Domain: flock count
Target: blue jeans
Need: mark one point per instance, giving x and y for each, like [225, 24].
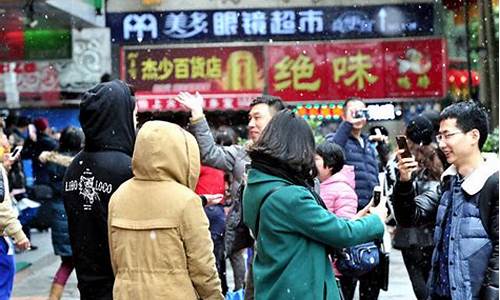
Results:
[7, 270]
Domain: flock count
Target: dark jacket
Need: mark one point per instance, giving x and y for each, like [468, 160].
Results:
[59, 220]
[232, 159]
[33, 150]
[364, 160]
[106, 116]
[407, 236]
[17, 178]
[473, 254]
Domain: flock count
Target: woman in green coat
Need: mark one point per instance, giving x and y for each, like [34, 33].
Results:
[294, 229]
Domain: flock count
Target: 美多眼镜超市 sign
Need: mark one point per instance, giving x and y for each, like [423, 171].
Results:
[277, 24]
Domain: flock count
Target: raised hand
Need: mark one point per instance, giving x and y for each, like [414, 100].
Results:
[192, 102]
[350, 116]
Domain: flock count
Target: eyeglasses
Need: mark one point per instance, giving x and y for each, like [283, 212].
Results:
[446, 136]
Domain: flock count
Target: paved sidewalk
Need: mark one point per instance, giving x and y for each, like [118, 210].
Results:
[34, 282]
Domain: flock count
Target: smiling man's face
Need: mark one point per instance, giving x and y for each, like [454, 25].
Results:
[259, 116]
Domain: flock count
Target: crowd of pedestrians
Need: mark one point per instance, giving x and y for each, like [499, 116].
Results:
[153, 210]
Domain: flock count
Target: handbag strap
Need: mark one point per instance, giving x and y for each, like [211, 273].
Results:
[274, 189]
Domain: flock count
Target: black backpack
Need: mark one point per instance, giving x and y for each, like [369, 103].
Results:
[242, 237]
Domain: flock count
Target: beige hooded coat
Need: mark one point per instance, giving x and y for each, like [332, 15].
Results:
[9, 224]
[158, 232]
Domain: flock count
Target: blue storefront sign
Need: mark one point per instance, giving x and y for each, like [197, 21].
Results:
[280, 24]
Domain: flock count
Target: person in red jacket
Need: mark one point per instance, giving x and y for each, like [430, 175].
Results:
[211, 187]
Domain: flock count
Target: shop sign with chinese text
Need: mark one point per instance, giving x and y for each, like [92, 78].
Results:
[279, 24]
[205, 69]
[370, 70]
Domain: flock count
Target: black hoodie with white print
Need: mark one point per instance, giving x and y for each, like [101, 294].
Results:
[107, 119]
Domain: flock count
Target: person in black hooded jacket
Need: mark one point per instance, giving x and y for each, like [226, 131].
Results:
[107, 114]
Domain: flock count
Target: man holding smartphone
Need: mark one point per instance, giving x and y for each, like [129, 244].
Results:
[465, 256]
[361, 154]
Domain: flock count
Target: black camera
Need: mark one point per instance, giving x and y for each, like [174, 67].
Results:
[362, 113]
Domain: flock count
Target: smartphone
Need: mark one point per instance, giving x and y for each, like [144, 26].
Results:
[15, 152]
[362, 113]
[377, 194]
[403, 145]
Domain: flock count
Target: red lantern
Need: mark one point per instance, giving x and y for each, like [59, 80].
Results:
[475, 78]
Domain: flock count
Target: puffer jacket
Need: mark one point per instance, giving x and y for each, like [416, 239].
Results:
[158, 233]
[338, 193]
[339, 196]
[59, 220]
[364, 159]
[473, 249]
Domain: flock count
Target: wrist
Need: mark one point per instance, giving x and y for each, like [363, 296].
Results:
[404, 178]
[197, 114]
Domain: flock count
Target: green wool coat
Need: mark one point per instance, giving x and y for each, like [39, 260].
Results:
[291, 261]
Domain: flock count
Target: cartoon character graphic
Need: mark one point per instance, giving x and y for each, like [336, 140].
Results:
[414, 61]
[87, 190]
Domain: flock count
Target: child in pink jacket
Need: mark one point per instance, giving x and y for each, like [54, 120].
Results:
[337, 181]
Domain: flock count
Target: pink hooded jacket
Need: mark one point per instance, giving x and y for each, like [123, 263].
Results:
[338, 193]
[339, 196]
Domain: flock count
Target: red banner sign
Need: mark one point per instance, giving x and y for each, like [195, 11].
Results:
[212, 101]
[372, 70]
[416, 68]
[214, 69]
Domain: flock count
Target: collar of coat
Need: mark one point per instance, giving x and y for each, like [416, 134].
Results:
[473, 183]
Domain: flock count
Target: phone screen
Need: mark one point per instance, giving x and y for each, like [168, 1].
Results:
[403, 145]
[377, 193]
[16, 151]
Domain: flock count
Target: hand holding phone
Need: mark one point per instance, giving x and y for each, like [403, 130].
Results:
[14, 155]
[403, 145]
[377, 194]
[379, 207]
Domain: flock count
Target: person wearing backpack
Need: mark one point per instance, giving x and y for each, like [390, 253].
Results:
[465, 256]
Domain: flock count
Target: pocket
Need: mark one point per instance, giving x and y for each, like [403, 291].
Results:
[470, 247]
